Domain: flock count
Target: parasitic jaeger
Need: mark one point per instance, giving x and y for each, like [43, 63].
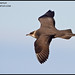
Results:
[45, 34]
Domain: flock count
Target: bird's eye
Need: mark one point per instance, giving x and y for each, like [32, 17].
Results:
[31, 32]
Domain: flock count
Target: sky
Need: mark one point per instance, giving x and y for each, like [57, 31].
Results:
[17, 54]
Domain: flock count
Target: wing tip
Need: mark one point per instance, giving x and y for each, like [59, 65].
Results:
[49, 13]
[41, 58]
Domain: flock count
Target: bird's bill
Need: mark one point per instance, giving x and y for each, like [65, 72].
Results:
[27, 34]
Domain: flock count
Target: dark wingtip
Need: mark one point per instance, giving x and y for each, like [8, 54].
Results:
[42, 58]
[49, 13]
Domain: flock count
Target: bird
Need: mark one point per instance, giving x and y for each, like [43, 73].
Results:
[45, 34]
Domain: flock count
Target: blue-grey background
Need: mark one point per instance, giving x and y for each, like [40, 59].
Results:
[17, 55]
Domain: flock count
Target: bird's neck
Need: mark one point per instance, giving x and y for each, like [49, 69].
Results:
[34, 35]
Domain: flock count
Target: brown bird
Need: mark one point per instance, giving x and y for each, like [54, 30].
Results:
[45, 34]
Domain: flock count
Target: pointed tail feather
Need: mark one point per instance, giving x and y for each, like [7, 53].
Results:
[73, 34]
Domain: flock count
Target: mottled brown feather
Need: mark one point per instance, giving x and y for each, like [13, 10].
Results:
[42, 47]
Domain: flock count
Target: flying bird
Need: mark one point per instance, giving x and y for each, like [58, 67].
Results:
[45, 34]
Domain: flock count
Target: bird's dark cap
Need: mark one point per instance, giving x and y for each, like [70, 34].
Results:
[49, 13]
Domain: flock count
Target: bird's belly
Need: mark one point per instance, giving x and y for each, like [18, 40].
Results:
[47, 31]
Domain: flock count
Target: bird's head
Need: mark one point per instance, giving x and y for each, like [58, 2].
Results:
[31, 34]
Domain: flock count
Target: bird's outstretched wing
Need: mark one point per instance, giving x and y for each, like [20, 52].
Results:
[42, 47]
[47, 19]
